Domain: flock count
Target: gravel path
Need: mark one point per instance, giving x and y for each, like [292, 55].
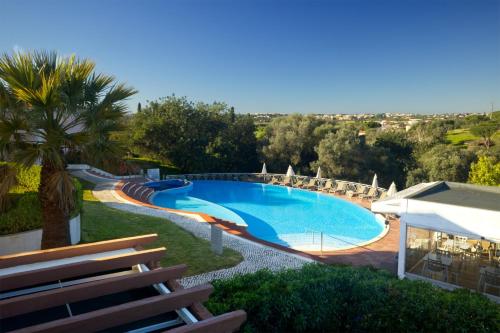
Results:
[255, 256]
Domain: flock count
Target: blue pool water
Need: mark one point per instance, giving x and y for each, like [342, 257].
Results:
[282, 215]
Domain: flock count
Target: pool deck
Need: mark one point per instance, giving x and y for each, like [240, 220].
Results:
[379, 254]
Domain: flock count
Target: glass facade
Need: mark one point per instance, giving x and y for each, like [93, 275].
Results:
[455, 259]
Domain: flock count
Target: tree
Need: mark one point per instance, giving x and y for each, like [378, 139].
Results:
[196, 137]
[391, 158]
[426, 135]
[486, 171]
[292, 140]
[51, 105]
[485, 130]
[340, 155]
[442, 162]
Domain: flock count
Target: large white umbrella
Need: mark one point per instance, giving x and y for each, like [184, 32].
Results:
[375, 181]
[289, 172]
[392, 190]
[318, 174]
[264, 169]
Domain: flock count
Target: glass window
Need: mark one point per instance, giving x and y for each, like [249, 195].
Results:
[454, 259]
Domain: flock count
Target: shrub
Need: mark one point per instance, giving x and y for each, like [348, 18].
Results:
[320, 298]
[25, 213]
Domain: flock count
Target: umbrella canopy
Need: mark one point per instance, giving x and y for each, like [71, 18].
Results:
[375, 181]
[264, 169]
[318, 174]
[289, 172]
[392, 190]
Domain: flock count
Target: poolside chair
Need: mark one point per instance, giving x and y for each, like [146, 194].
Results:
[489, 279]
[381, 196]
[287, 181]
[359, 190]
[433, 268]
[328, 186]
[312, 185]
[274, 181]
[372, 193]
[300, 182]
[340, 188]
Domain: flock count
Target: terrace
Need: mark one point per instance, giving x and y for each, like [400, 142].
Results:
[449, 235]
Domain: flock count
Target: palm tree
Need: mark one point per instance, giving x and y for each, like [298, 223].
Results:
[50, 106]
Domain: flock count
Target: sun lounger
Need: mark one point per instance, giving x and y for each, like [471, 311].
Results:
[360, 190]
[274, 181]
[287, 181]
[381, 196]
[312, 185]
[328, 186]
[341, 188]
[300, 182]
[372, 193]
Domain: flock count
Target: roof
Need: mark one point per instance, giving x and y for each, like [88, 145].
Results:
[111, 286]
[459, 194]
[451, 193]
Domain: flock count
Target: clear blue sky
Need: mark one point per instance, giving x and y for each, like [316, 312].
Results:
[280, 56]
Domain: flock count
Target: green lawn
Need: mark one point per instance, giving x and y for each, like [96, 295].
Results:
[459, 137]
[100, 222]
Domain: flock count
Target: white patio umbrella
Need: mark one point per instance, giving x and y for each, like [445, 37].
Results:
[392, 190]
[318, 174]
[375, 181]
[264, 169]
[289, 172]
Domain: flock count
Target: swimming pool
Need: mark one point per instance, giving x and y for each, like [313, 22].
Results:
[286, 216]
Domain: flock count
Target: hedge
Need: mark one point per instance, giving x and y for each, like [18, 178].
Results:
[321, 298]
[25, 213]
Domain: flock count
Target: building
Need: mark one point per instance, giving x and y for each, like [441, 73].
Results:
[449, 234]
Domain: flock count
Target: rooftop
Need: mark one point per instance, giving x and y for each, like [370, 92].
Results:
[482, 197]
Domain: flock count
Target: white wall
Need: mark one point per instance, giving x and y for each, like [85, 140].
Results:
[32, 240]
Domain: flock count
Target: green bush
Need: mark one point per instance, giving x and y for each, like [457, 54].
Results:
[320, 298]
[25, 213]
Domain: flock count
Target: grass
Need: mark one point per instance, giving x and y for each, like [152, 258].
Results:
[462, 136]
[100, 222]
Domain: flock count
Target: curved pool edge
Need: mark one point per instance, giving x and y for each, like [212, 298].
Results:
[235, 230]
[307, 249]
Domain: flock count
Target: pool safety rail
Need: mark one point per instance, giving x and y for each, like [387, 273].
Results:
[324, 242]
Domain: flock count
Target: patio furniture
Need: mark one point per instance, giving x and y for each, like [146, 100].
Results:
[381, 196]
[372, 193]
[287, 181]
[435, 267]
[489, 277]
[312, 185]
[341, 188]
[359, 190]
[328, 186]
[300, 182]
[274, 181]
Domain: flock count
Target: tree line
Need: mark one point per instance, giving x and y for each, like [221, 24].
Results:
[200, 137]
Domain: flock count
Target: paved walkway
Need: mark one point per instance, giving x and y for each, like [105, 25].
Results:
[255, 256]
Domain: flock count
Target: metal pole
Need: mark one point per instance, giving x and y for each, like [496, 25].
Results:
[321, 243]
